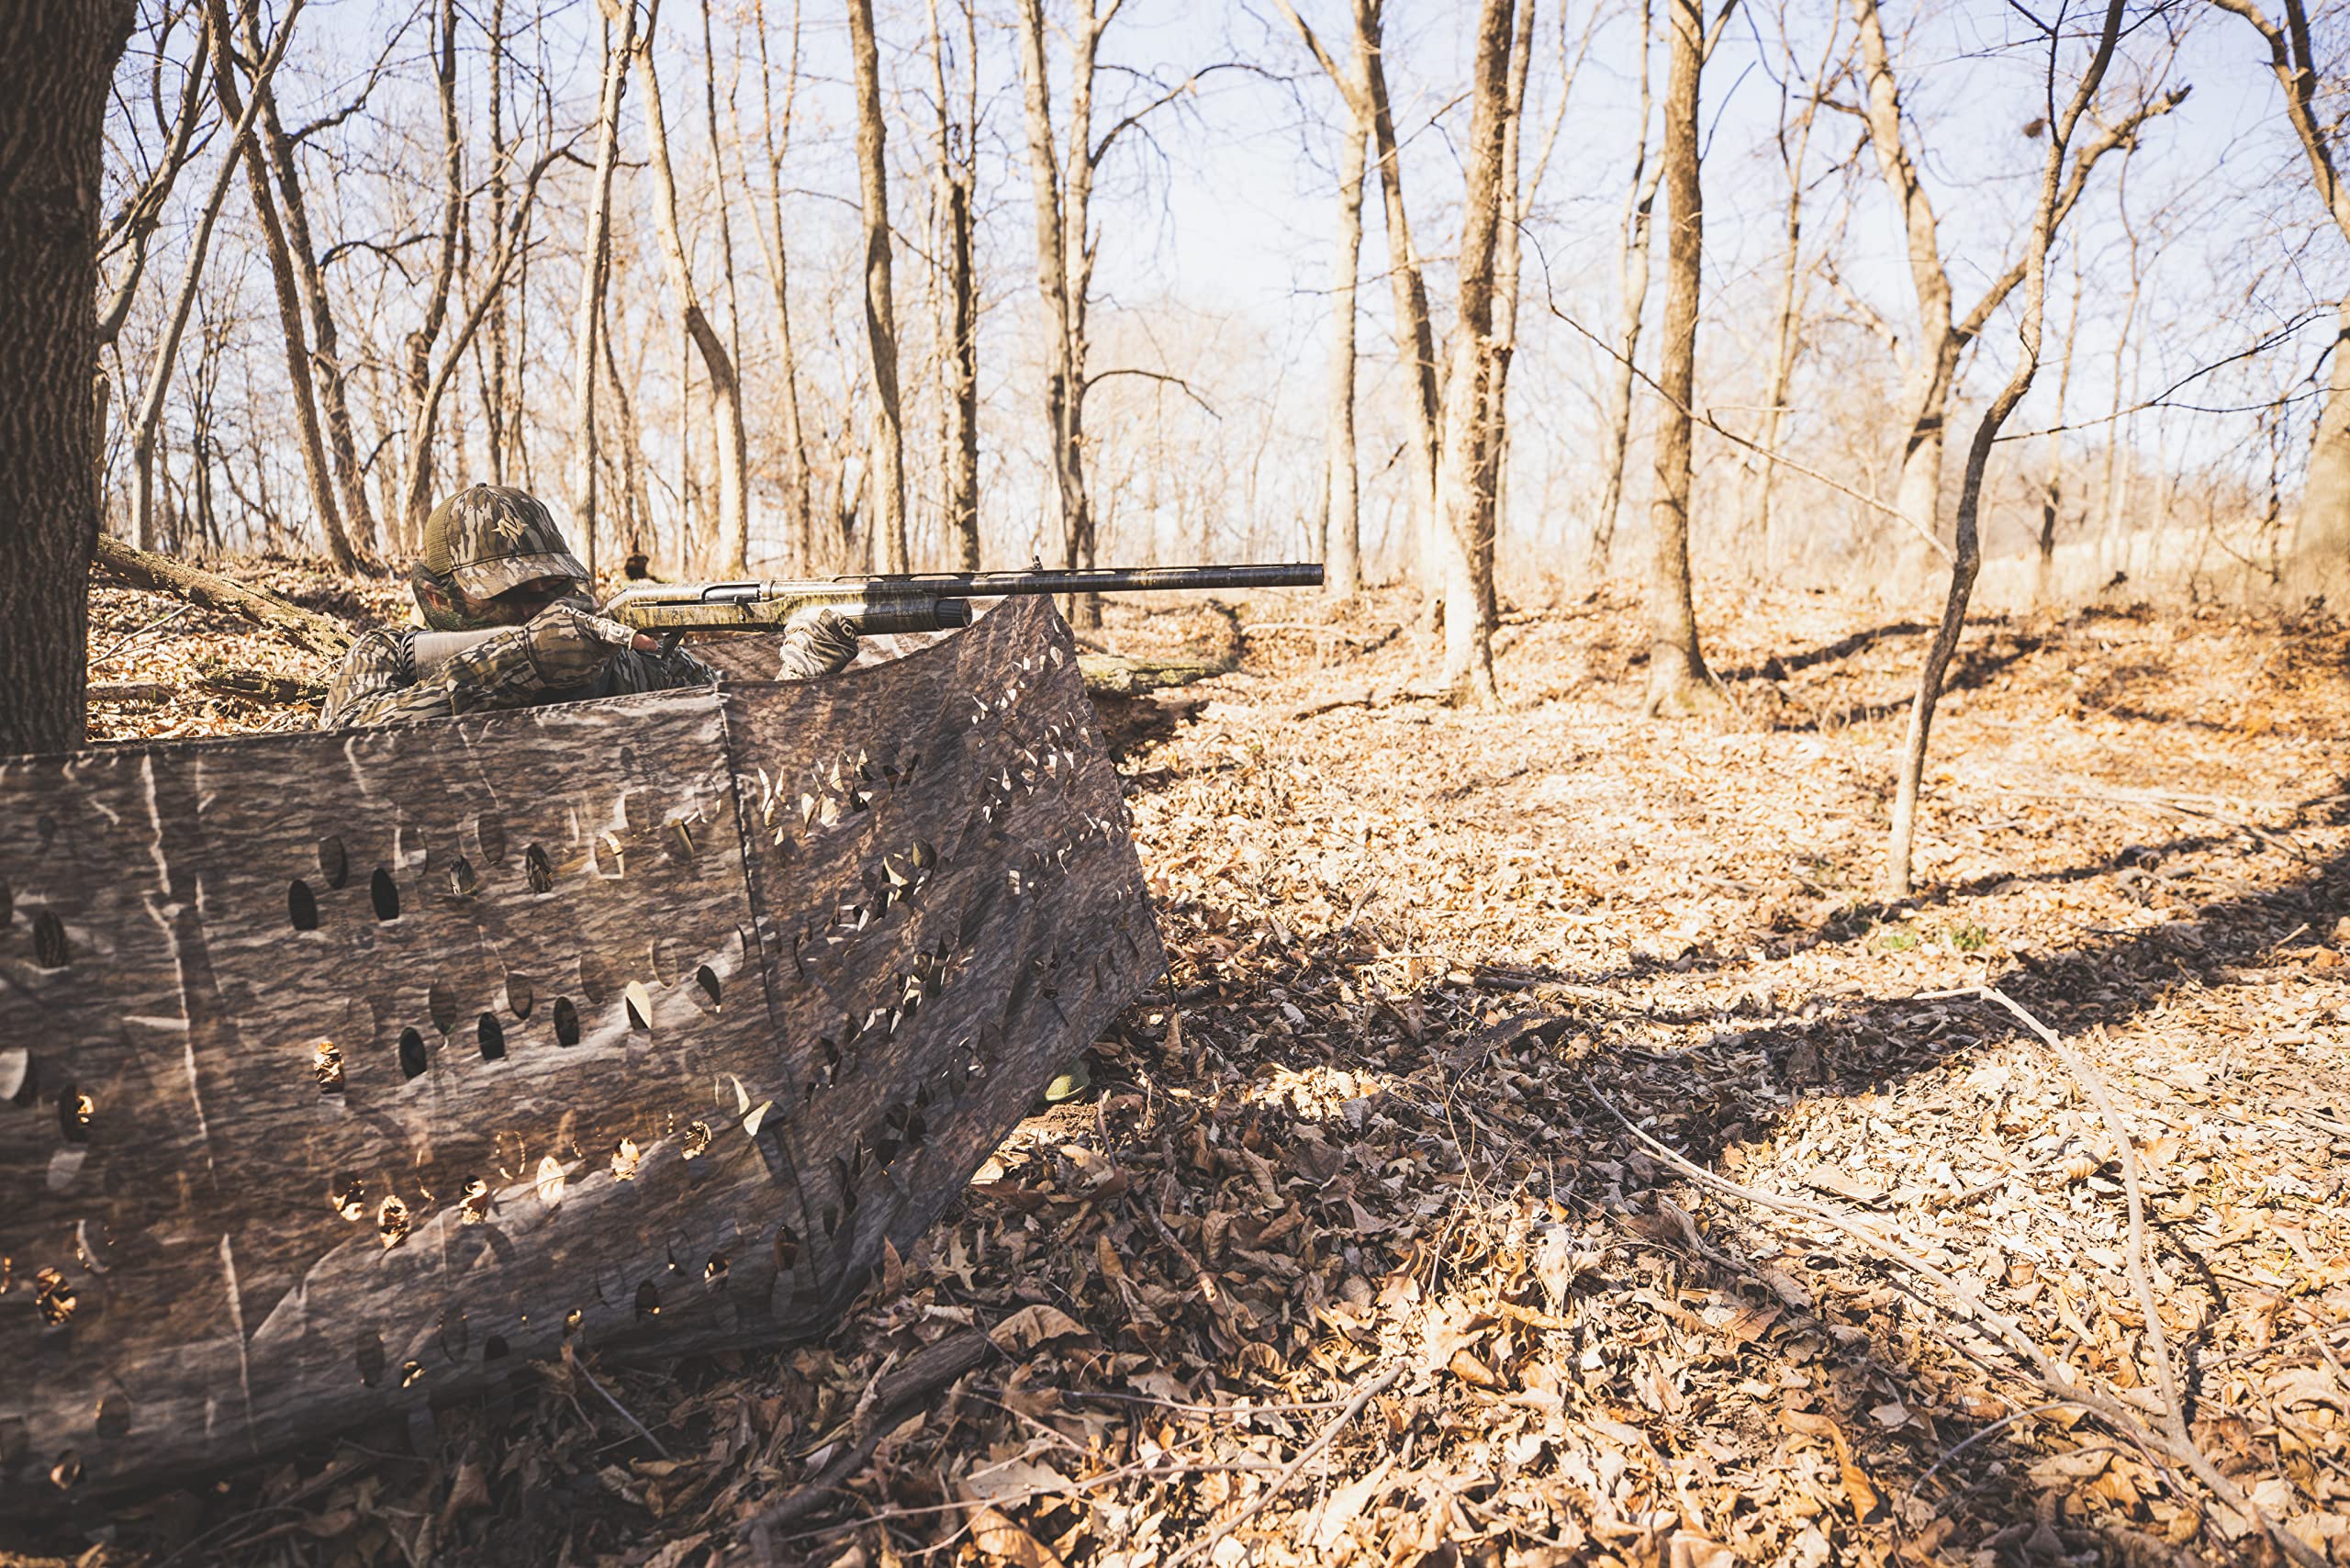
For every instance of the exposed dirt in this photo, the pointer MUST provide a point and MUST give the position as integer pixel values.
(1355, 1178)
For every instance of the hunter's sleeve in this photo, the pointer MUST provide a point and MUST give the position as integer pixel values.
(375, 685)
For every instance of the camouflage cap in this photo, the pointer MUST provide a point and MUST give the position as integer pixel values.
(489, 538)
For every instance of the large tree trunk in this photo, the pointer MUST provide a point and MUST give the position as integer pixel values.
(887, 452)
(725, 391)
(316, 468)
(1464, 470)
(53, 82)
(1632, 270)
(595, 275)
(1679, 681)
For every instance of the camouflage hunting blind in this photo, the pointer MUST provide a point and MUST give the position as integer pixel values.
(337, 1069)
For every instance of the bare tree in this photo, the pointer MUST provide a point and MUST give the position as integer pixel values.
(1762, 461)
(596, 264)
(316, 466)
(1967, 553)
(2322, 537)
(776, 129)
(958, 326)
(52, 110)
(1679, 681)
(1632, 290)
(1064, 264)
(1943, 336)
(886, 450)
(1473, 382)
(159, 374)
(423, 403)
(1341, 529)
(2052, 485)
(732, 544)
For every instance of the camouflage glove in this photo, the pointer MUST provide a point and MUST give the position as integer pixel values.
(568, 646)
(817, 645)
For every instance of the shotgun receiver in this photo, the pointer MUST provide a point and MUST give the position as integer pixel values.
(921, 601)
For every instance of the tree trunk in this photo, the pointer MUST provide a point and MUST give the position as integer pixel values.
(595, 275)
(1462, 473)
(1510, 207)
(2052, 488)
(1966, 546)
(1063, 273)
(1788, 339)
(358, 518)
(1679, 681)
(777, 132)
(1414, 337)
(886, 451)
(959, 344)
(2322, 534)
(494, 383)
(53, 84)
(1341, 500)
(416, 498)
(1632, 270)
(316, 468)
(725, 393)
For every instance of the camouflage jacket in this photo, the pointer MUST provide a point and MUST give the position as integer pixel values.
(377, 683)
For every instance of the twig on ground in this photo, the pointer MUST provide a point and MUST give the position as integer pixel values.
(155, 625)
(626, 1414)
(2051, 1374)
(1364, 1393)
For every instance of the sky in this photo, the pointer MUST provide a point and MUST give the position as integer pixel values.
(1215, 217)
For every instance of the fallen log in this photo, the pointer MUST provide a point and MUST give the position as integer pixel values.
(337, 1069)
(321, 635)
(1116, 675)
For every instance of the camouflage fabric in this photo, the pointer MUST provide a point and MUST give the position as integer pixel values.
(377, 683)
(489, 538)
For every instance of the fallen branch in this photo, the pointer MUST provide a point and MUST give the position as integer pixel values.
(1364, 1393)
(321, 635)
(2050, 1373)
(1116, 675)
(924, 1372)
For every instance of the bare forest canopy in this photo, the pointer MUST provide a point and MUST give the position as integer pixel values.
(872, 291)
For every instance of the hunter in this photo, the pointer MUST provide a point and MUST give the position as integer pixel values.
(493, 557)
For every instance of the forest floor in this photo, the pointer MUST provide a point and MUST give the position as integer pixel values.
(1374, 1241)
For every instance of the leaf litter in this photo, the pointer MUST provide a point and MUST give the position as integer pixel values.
(1347, 1257)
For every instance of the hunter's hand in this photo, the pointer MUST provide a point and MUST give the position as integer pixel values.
(817, 643)
(568, 644)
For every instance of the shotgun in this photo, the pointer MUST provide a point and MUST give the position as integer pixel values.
(918, 601)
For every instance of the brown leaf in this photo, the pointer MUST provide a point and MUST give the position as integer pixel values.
(999, 1538)
(1033, 1326)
